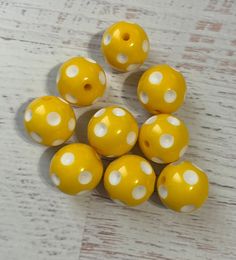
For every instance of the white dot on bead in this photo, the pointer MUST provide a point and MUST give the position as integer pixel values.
(70, 98)
(71, 124)
(118, 111)
(90, 60)
(187, 208)
(190, 177)
(170, 96)
(150, 120)
(58, 75)
(173, 120)
(28, 115)
(100, 130)
(53, 119)
(67, 158)
(55, 179)
(162, 191)
(99, 112)
(155, 78)
(122, 58)
(72, 71)
(145, 46)
(131, 138)
(146, 167)
(102, 77)
(85, 177)
(106, 39)
(58, 142)
(36, 137)
(143, 97)
(114, 178)
(166, 140)
(132, 67)
(157, 160)
(182, 151)
(139, 192)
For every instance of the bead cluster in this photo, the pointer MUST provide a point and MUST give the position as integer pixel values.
(113, 131)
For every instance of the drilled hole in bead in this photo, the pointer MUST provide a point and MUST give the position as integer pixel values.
(146, 143)
(87, 87)
(125, 36)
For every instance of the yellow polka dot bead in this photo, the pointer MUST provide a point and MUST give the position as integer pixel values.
(49, 120)
(163, 138)
(129, 180)
(76, 168)
(81, 81)
(161, 89)
(182, 187)
(125, 46)
(112, 131)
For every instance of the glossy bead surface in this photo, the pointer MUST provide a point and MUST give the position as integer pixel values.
(49, 120)
(76, 168)
(163, 138)
(182, 186)
(112, 131)
(129, 180)
(81, 81)
(161, 89)
(125, 46)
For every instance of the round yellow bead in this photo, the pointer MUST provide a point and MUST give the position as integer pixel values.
(161, 89)
(125, 46)
(112, 131)
(182, 187)
(81, 81)
(49, 120)
(76, 168)
(129, 180)
(163, 138)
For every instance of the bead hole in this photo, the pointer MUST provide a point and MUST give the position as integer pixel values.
(146, 143)
(125, 36)
(87, 87)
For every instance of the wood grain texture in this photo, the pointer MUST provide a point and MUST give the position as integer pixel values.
(36, 221)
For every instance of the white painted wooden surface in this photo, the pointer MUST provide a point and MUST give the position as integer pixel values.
(36, 221)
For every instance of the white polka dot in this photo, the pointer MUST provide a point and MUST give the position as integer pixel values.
(71, 124)
(187, 208)
(111, 156)
(143, 97)
(70, 98)
(162, 191)
(157, 160)
(173, 120)
(63, 100)
(131, 138)
(67, 158)
(122, 58)
(85, 177)
(166, 140)
(55, 179)
(58, 142)
(190, 177)
(106, 39)
(99, 112)
(139, 192)
(58, 75)
(118, 111)
(90, 60)
(150, 120)
(102, 78)
(72, 71)
(83, 192)
(100, 129)
(145, 46)
(155, 78)
(146, 167)
(118, 202)
(53, 119)
(182, 151)
(36, 137)
(28, 115)
(170, 96)
(114, 178)
(132, 67)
